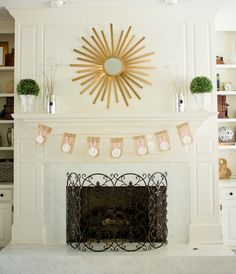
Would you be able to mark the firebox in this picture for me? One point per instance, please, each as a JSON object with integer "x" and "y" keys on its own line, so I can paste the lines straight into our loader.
{"x": 116, "y": 212}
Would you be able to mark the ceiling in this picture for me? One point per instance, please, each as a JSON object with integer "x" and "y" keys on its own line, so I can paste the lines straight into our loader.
{"x": 4, "y": 14}
{"x": 27, "y": 3}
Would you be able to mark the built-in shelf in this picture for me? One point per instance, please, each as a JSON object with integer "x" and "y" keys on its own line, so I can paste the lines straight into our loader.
{"x": 6, "y": 121}
{"x": 227, "y": 182}
{"x": 227, "y": 120}
{"x": 6, "y": 94}
{"x": 6, "y": 185}
{"x": 226, "y": 66}
{"x": 223, "y": 92}
{"x": 6, "y": 148}
{"x": 230, "y": 147}
{"x": 6, "y": 68}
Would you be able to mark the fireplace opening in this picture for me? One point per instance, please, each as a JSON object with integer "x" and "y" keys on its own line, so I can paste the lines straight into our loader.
{"x": 115, "y": 212}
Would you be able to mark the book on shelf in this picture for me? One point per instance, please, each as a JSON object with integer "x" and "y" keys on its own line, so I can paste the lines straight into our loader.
{"x": 227, "y": 143}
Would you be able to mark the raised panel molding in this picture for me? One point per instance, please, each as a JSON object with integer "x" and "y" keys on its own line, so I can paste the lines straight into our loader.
{"x": 28, "y": 190}
{"x": 27, "y": 149}
{"x": 205, "y": 191}
{"x": 204, "y": 146}
{"x": 202, "y": 49}
{"x": 27, "y": 51}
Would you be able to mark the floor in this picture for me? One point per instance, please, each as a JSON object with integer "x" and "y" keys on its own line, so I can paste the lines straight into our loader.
{"x": 170, "y": 259}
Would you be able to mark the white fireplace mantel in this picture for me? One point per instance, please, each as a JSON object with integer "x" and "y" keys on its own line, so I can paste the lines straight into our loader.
{"x": 183, "y": 35}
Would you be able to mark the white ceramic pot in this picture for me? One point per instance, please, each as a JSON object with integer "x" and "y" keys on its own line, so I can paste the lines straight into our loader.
{"x": 202, "y": 101}
{"x": 27, "y": 102}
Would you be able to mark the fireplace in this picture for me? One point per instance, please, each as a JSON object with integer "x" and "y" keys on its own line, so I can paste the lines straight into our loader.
{"x": 116, "y": 212}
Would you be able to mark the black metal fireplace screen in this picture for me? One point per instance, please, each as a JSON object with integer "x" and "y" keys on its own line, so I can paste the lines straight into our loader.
{"x": 117, "y": 212}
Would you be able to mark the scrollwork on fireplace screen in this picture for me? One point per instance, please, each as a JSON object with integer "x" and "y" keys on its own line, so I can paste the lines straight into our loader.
{"x": 117, "y": 212}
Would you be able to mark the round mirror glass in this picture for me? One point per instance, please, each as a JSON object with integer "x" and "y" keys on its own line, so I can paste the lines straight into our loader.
{"x": 113, "y": 66}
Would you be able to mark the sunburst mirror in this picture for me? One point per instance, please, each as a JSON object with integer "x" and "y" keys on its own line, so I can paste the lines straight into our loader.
{"x": 112, "y": 69}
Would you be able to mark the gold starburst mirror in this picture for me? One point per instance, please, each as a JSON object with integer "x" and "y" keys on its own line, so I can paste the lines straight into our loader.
{"x": 112, "y": 69}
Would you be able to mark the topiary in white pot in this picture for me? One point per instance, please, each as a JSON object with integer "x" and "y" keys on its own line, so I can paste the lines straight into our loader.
{"x": 27, "y": 89}
{"x": 201, "y": 86}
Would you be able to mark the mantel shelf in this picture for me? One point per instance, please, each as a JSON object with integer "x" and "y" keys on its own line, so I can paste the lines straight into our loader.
{"x": 70, "y": 117}
{"x": 114, "y": 125}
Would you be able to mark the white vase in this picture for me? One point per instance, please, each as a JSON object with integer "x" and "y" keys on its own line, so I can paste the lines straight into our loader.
{"x": 51, "y": 104}
{"x": 202, "y": 101}
{"x": 27, "y": 102}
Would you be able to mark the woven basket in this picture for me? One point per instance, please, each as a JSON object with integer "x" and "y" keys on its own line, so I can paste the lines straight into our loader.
{"x": 6, "y": 171}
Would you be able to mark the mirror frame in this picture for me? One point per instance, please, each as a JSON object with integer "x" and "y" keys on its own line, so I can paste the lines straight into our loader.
{"x": 93, "y": 76}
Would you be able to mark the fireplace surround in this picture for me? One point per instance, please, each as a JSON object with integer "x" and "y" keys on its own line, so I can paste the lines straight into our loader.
{"x": 116, "y": 212}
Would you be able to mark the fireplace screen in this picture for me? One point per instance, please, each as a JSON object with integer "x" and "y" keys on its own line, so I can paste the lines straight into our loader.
{"x": 116, "y": 212}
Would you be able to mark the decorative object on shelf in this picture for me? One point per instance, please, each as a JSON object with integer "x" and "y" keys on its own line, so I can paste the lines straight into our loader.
{"x": 227, "y": 86}
{"x": 177, "y": 85}
{"x": 3, "y": 52}
{"x": 9, "y": 87}
{"x": 9, "y": 59}
{"x": 201, "y": 86}
{"x": 112, "y": 68}
{"x": 27, "y": 89}
{"x": 179, "y": 102}
{"x": 9, "y": 137}
{"x": 222, "y": 106}
{"x": 51, "y": 103}
{"x": 6, "y": 170}
{"x": 185, "y": 133}
{"x": 68, "y": 142}
{"x": 116, "y": 147}
{"x": 3, "y": 112}
{"x": 43, "y": 132}
{"x": 9, "y": 108}
{"x": 163, "y": 140}
{"x": 224, "y": 171}
{"x": 93, "y": 143}
{"x": 218, "y": 81}
{"x": 141, "y": 145}
{"x": 12, "y": 136}
{"x": 225, "y": 134}
{"x": 220, "y": 60}
{"x": 50, "y": 74}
